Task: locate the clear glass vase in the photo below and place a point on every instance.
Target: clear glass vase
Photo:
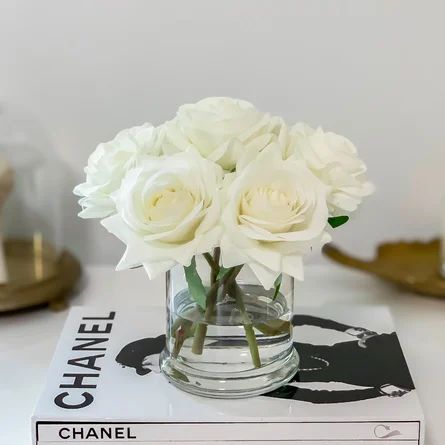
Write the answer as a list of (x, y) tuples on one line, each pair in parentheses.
[(235, 343)]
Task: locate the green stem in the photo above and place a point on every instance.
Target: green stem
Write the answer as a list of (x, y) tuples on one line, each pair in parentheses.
[(201, 329), (215, 268), (253, 345), (180, 334), (213, 263), (212, 296), (248, 327), (199, 338)]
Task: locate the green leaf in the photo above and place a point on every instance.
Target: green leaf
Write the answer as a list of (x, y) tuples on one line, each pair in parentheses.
[(194, 282), (277, 285), (337, 221), (223, 272)]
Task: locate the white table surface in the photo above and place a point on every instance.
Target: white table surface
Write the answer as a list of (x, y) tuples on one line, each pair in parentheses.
[(27, 340)]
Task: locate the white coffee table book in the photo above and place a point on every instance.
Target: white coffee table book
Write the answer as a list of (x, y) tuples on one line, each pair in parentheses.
[(104, 386)]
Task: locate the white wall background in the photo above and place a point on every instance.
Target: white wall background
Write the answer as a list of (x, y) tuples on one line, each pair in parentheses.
[(372, 70)]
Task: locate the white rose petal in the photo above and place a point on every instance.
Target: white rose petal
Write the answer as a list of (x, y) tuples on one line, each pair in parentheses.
[(108, 164), (334, 160), (220, 129), (275, 211), (168, 210)]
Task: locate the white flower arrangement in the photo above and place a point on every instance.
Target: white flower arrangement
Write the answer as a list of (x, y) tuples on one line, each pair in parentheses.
[(222, 174)]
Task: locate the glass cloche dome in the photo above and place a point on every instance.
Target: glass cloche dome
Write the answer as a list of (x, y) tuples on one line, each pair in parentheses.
[(32, 259)]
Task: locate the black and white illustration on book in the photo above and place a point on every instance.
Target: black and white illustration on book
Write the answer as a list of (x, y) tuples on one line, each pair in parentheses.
[(371, 363)]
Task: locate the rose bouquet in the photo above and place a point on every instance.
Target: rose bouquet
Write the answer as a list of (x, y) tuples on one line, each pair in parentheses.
[(220, 190)]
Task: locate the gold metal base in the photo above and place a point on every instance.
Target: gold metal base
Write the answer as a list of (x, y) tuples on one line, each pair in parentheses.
[(413, 265), (37, 276)]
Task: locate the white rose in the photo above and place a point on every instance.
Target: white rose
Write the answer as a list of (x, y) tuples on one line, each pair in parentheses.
[(334, 160), (168, 210), (107, 166), (275, 211), (220, 128)]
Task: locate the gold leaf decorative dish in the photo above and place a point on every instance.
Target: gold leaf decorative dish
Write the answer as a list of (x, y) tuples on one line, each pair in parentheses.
[(413, 265)]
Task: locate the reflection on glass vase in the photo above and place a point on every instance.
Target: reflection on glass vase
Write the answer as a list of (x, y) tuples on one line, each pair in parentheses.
[(236, 340)]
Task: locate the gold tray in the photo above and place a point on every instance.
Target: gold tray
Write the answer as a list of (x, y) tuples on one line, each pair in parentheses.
[(413, 265), (37, 277)]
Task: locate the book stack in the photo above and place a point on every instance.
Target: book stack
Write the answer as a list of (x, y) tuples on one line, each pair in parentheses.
[(353, 386)]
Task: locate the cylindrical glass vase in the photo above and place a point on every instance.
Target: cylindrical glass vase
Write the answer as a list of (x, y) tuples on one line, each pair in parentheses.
[(227, 337)]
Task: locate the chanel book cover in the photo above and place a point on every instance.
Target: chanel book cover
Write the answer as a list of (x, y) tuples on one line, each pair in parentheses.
[(353, 386)]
